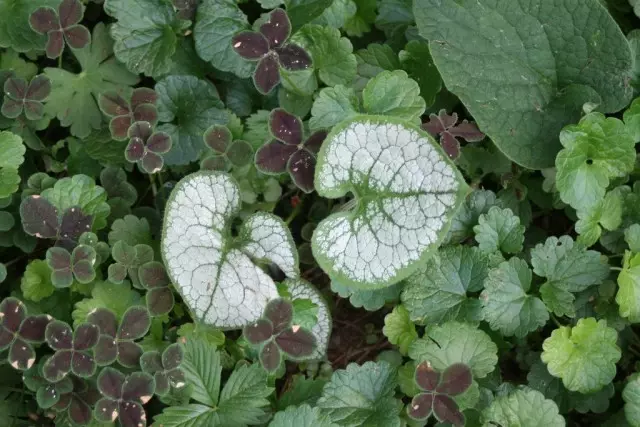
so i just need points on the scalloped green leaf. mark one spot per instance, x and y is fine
(406, 191)
(12, 150)
(628, 296)
(631, 397)
(16, 33)
(524, 408)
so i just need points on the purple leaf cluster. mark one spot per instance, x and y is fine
(128, 260)
(146, 147)
(123, 397)
(225, 152)
(140, 106)
(22, 96)
(159, 298)
(61, 26)
(67, 266)
(165, 368)
(446, 126)
(73, 350)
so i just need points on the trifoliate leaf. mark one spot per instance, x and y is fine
(362, 396)
(333, 105)
(606, 213)
(631, 397)
(36, 281)
(456, 342)
(546, 87)
(416, 60)
(370, 300)
(499, 230)
(524, 408)
(399, 328)
(220, 283)
(332, 55)
(596, 150)
(301, 289)
(217, 21)
(80, 191)
(477, 203)
(144, 33)
(393, 93)
(505, 302)
(115, 297)
(131, 230)
(407, 192)
(632, 237)
(437, 292)
(188, 106)
(301, 416)
(12, 150)
(73, 96)
(584, 356)
(16, 33)
(628, 296)
(567, 265)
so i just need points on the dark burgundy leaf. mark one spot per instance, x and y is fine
(63, 403)
(132, 415)
(82, 364)
(33, 110)
(314, 142)
(468, 131)
(117, 273)
(420, 407)
(160, 301)
(277, 29)
(440, 122)
(143, 95)
(135, 323)
(58, 365)
(172, 356)
(258, 332)
(270, 356)
(218, 138)
(10, 108)
(12, 313)
(62, 278)
(55, 44)
(106, 410)
(267, 74)
(146, 113)
(105, 320)
(450, 145)
(106, 351)
(70, 12)
(140, 130)
(240, 153)
(39, 88)
(176, 377)
(77, 36)
(6, 338)
(33, 328)
(21, 355)
(80, 411)
(44, 19)
(296, 342)
(113, 104)
(302, 167)
(293, 57)
(39, 217)
(215, 163)
(250, 45)
(285, 127)
(151, 162)
(73, 223)
(118, 126)
(426, 377)
(129, 354)
(151, 362)
(159, 143)
(59, 335)
(273, 157)
(15, 88)
(153, 275)
(456, 379)
(135, 150)
(446, 410)
(86, 336)
(280, 312)
(110, 382)
(138, 387)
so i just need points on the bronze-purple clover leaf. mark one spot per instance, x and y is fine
(446, 126)
(22, 96)
(146, 147)
(123, 397)
(61, 26)
(124, 111)
(73, 350)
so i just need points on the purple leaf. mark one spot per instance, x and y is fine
(285, 127)
(215, 163)
(105, 320)
(140, 130)
(77, 36)
(62, 278)
(455, 380)
(110, 382)
(106, 351)
(467, 131)
(314, 142)
(58, 365)
(106, 410)
(146, 113)
(153, 275)
(11, 109)
(160, 301)
(12, 313)
(39, 88)
(118, 126)
(151, 162)
(138, 387)
(135, 323)
(143, 95)
(186, 8)
(293, 57)
(302, 167)
(44, 19)
(218, 138)
(240, 153)
(270, 356)
(33, 110)
(296, 342)
(33, 328)
(250, 45)
(39, 217)
(55, 44)
(85, 337)
(277, 29)
(132, 415)
(420, 407)
(73, 223)
(6, 338)
(21, 355)
(280, 313)
(273, 157)
(172, 357)
(446, 410)
(258, 332)
(15, 88)
(82, 364)
(79, 411)
(59, 258)
(159, 143)
(129, 354)
(426, 377)
(59, 335)
(440, 122)
(450, 145)
(135, 150)
(70, 12)
(113, 104)
(151, 362)
(267, 74)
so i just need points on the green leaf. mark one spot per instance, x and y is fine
(189, 106)
(301, 416)
(505, 302)
(11, 60)
(3, 272)
(202, 332)
(437, 292)
(243, 397)
(631, 397)
(144, 34)
(303, 390)
(73, 96)
(131, 230)
(370, 300)
(115, 297)
(632, 237)
(557, 299)
(456, 342)
(544, 79)
(80, 191)
(584, 356)
(499, 230)
(631, 119)
(217, 21)
(16, 33)
(628, 296)
(477, 203)
(567, 265)
(373, 60)
(361, 22)
(399, 328)
(416, 60)
(12, 150)
(524, 408)
(394, 16)
(187, 416)
(332, 55)
(333, 105)
(405, 200)
(202, 369)
(596, 150)
(36, 281)
(362, 396)
(337, 14)
(606, 213)
(301, 12)
(393, 93)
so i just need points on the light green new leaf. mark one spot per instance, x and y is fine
(188, 106)
(115, 297)
(505, 302)
(301, 416)
(596, 150)
(36, 281)
(333, 105)
(584, 356)
(399, 328)
(332, 55)
(217, 21)
(606, 213)
(393, 93)
(632, 237)
(522, 408)
(12, 157)
(628, 296)
(132, 230)
(362, 396)
(499, 230)
(73, 96)
(631, 397)
(456, 342)
(437, 292)
(15, 31)
(416, 60)
(524, 69)
(144, 33)
(406, 191)
(373, 60)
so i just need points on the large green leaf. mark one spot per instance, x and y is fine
(525, 68)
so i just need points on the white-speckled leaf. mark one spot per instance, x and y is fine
(266, 236)
(406, 189)
(301, 289)
(221, 285)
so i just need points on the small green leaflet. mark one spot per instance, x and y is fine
(399, 328)
(524, 408)
(12, 150)
(628, 296)
(477, 203)
(407, 191)
(215, 273)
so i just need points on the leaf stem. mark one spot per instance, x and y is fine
(295, 212)
(616, 268)
(556, 321)
(154, 189)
